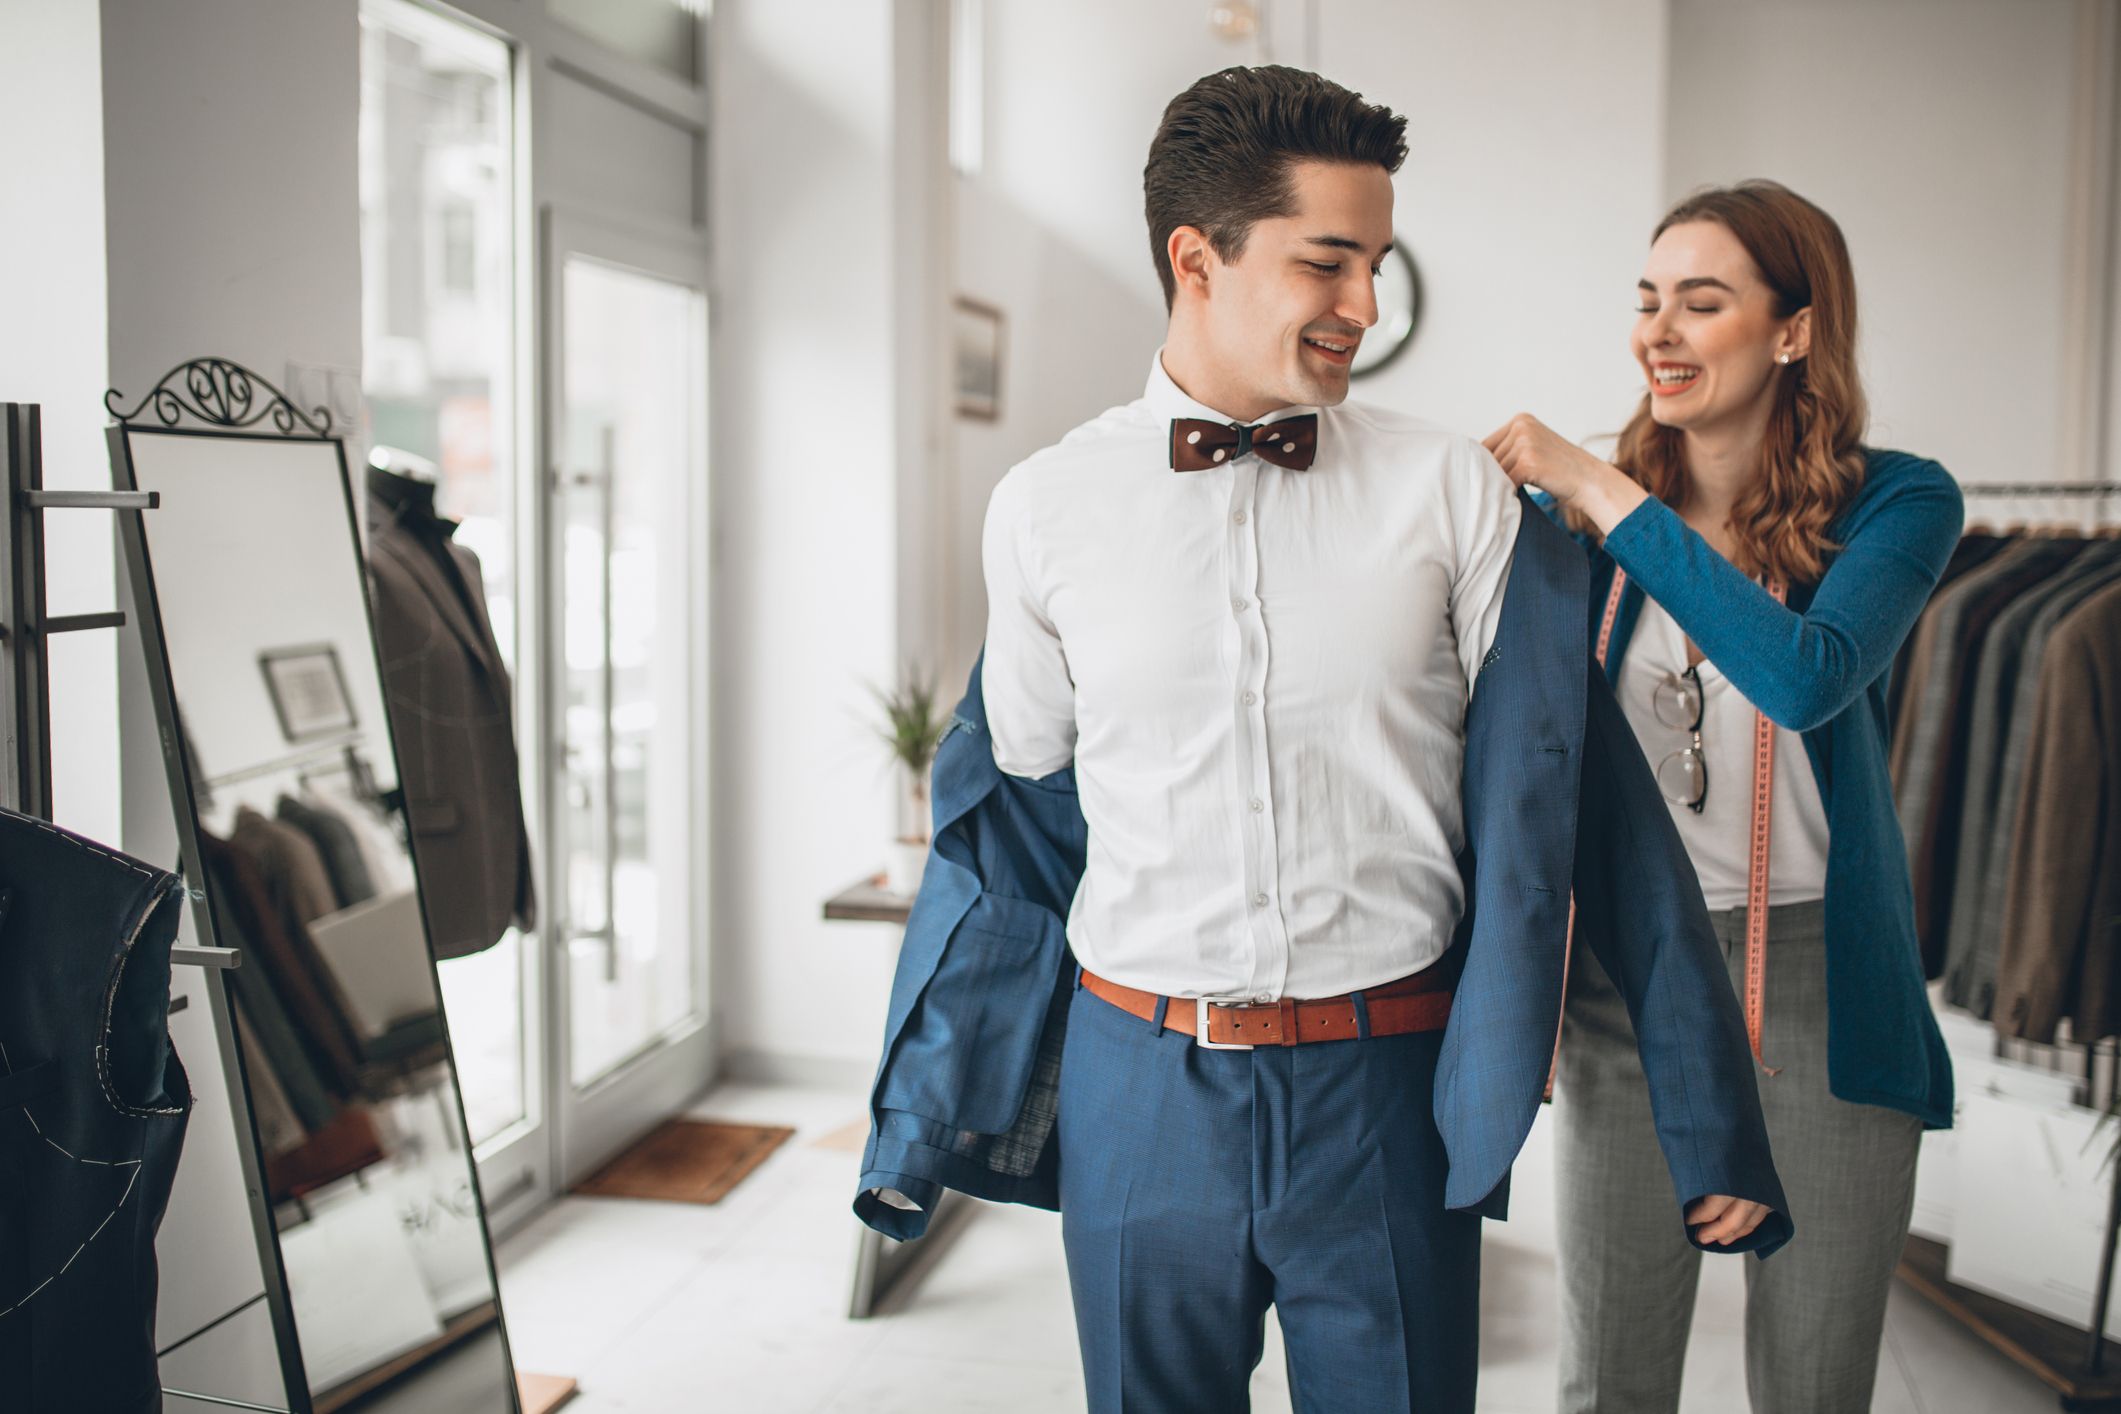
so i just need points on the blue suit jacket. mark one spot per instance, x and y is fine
(1556, 795)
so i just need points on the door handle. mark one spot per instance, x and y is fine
(606, 937)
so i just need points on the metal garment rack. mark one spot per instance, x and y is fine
(2040, 488)
(26, 628)
(2035, 1342)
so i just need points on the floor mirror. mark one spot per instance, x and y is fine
(254, 616)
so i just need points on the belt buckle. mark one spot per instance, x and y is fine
(1201, 1006)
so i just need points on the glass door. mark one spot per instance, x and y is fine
(441, 357)
(627, 517)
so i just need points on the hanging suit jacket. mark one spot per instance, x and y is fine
(448, 694)
(2064, 891)
(1556, 796)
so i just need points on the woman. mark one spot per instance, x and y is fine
(1754, 570)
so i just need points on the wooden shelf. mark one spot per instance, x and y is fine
(2051, 1351)
(868, 902)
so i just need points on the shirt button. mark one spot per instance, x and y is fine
(1250, 698)
(1240, 517)
(1240, 604)
(1258, 805)
(1259, 900)
(1263, 998)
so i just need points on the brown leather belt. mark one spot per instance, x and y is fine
(1420, 1002)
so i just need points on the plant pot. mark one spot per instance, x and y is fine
(904, 864)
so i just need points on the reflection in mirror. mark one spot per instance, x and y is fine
(273, 691)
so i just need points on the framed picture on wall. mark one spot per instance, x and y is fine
(976, 337)
(308, 690)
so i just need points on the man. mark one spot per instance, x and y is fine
(1222, 728)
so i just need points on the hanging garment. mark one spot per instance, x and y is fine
(2062, 953)
(1974, 550)
(1931, 793)
(287, 957)
(375, 833)
(95, 1104)
(335, 842)
(2005, 704)
(263, 1020)
(288, 861)
(1997, 662)
(449, 709)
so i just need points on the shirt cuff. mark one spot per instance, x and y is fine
(896, 1199)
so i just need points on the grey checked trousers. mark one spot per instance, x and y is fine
(1815, 1311)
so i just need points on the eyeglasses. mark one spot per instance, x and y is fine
(1683, 776)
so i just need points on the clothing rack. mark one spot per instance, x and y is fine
(2040, 488)
(317, 754)
(26, 627)
(2033, 1341)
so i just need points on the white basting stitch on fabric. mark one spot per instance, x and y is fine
(110, 1004)
(102, 1048)
(78, 843)
(131, 1183)
(29, 1298)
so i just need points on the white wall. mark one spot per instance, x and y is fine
(1535, 131)
(1937, 133)
(51, 248)
(804, 439)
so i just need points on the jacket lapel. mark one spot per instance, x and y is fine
(397, 544)
(1522, 791)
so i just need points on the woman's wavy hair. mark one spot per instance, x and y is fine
(1811, 460)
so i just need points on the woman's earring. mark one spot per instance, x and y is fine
(1782, 358)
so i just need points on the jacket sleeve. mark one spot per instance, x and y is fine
(1801, 669)
(2055, 851)
(900, 1224)
(1639, 908)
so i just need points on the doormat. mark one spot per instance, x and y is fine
(686, 1161)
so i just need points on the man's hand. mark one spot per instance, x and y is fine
(1533, 454)
(1723, 1219)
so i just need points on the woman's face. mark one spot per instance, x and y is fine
(1707, 336)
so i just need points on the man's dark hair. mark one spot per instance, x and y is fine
(1222, 154)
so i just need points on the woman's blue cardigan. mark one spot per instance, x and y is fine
(1820, 667)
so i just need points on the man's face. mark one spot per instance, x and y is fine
(1284, 319)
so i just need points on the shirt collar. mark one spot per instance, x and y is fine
(1167, 401)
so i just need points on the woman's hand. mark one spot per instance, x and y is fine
(1722, 1219)
(1535, 455)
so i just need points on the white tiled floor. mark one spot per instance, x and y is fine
(742, 1306)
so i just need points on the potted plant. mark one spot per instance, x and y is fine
(913, 725)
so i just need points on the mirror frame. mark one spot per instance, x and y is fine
(234, 385)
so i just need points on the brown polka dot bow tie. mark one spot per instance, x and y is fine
(1202, 446)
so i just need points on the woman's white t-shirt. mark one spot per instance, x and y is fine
(1718, 839)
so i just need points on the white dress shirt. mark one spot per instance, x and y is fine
(1261, 676)
(1719, 838)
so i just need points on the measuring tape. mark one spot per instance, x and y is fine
(1756, 884)
(1756, 904)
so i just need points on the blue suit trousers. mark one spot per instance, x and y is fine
(1198, 1187)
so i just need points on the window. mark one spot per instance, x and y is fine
(438, 326)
